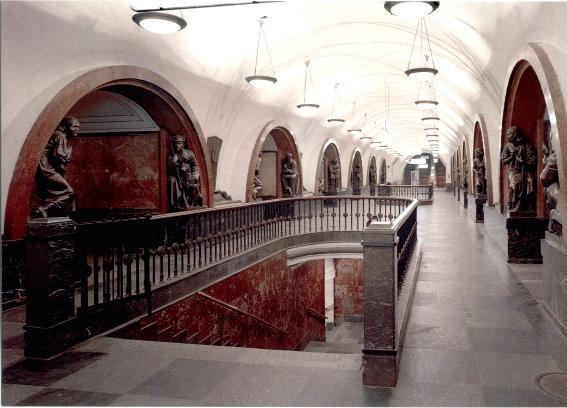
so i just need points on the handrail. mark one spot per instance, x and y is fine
(235, 309)
(313, 313)
(124, 258)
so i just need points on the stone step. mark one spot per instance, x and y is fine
(333, 347)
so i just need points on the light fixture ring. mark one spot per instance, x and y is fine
(421, 70)
(140, 17)
(335, 120)
(261, 78)
(308, 105)
(390, 5)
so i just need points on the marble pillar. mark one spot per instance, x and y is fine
(51, 278)
(380, 356)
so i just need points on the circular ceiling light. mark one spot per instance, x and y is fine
(411, 9)
(308, 108)
(160, 23)
(336, 121)
(422, 74)
(261, 81)
(426, 104)
(431, 130)
(432, 120)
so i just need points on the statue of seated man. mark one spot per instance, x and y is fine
(289, 176)
(334, 171)
(520, 157)
(183, 177)
(56, 194)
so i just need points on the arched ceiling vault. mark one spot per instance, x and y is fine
(356, 44)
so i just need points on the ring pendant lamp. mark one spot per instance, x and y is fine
(256, 80)
(411, 9)
(335, 120)
(354, 130)
(305, 107)
(424, 70)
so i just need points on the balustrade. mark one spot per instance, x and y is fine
(123, 259)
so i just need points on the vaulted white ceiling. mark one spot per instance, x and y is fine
(354, 43)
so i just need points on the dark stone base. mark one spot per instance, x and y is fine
(524, 235)
(372, 190)
(555, 280)
(356, 191)
(465, 199)
(380, 369)
(449, 187)
(480, 209)
(458, 194)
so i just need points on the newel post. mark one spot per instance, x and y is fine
(380, 356)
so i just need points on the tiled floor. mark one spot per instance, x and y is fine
(476, 337)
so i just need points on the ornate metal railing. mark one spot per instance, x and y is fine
(123, 259)
(421, 192)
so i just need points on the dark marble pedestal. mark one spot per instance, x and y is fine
(480, 200)
(372, 190)
(458, 193)
(524, 235)
(555, 280)
(356, 191)
(51, 277)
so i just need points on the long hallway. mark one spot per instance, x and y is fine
(476, 337)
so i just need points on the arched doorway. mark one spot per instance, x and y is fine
(465, 163)
(142, 88)
(329, 157)
(525, 108)
(355, 174)
(440, 173)
(423, 171)
(383, 172)
(372, 173)
(270, 151)
(479, 186)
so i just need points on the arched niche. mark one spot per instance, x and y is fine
(383, 175)
(372, 176)
(424, 174)
(479, 136)
(155, 95)
(355, 161)
(329, 152)
(270, 149)
(465, 165)
(525, 108)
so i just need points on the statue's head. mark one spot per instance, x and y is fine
(70, 126)
(178, 142)
(288, 156)
(514, 135)
(334, 161)
(479, 153)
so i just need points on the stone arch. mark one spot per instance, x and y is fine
(372, 165)
(480, 139)
(356, 157)
(383, 174)
(328, 152)
(124, 76)
(525, 107)
(285, 142)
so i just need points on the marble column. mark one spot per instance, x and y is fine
(380, 355)
(51, 278)
(330, 274)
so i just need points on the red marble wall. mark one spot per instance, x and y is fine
(115, 171)
(349, 287)
(270, 290)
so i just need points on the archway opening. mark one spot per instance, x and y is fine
(419, 174)
(525, 108)
(329, 171)
(383, 172)
(440, 173)
(118, 163)
(271, 152)
(372, 173)
(355, 174)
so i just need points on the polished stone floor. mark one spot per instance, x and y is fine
(476, 337)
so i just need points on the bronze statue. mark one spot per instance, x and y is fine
(479, 170)
(334, 172)
(520, 157)
(257, 187)
(183, 177)
(550, 180)
(57, 196)
(289, 176)
(356, 177)
(372, 176)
